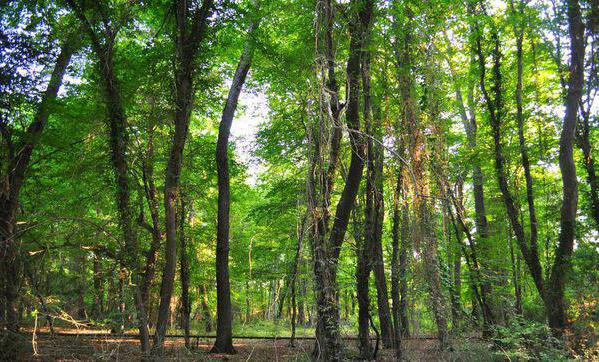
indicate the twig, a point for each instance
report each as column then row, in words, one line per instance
column 33, row 341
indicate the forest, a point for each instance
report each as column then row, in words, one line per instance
column 294, row 180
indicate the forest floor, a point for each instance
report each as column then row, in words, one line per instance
column 86, row 348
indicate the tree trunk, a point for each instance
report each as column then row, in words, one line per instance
column 519, row 33
column 555, row 303
column 395, row 261
column 118, row 137
column 206, row 316
column 384, row 312
column 184, row 273
column 363, row 268
column 187, row 42
column 515, row 277
column 224, row 333
column 328, row 346
column 97, row 309
column 494, row 106
column 154, row 228
column 294, row 274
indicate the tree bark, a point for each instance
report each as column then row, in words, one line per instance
column 294, row 275
column 328, row 346
column 583, row 140
column 187, row 41
column 384, row 312
column 519, row 33
column 555, row 302
column 117, row 122
column 224, row 333
column 363, row 268
column 395, row 261
column 154, row 229
column 184, row 273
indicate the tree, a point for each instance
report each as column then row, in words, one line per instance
column 191, row 28
column 224, row 333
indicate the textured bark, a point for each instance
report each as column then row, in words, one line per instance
column 403, row 272
column 190, row 32
column 555, row 302
column 403, row 54
column 184, row 273
column 294, row 276
column 396, row 263
column 430, row 155
column 471, row 260
column 103, row 45
column 431, row 269
column 515, row 277
column 363, row 269
column 384, row 312
column 328, row 346
column 154, row 228
column 455, row 262
column 224, row 333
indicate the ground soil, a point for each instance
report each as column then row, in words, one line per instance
column 86, row 348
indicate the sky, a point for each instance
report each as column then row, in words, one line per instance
column 251, row 112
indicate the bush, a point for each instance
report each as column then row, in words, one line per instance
column 525, row 341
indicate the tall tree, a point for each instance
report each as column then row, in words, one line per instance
column 224, row 314
column 103, row 38
column 327, row 330
column 191, row 28
column 555, row 303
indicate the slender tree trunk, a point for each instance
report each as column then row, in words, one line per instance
column 515, row 277
column 294, row 276
column 386, row 324
column 494, row 106
column 363, row 269
column 184, row 273
column 555, row 302
column 248, row 306
column 187, row 41
column 403, row 271
column 301, row 314
column 519, row 33
column 154, row 228
column 395, row 261
column 328, row 346
column 206, row 316
column 224, row 332
column 456, row 259
column 97, row 308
